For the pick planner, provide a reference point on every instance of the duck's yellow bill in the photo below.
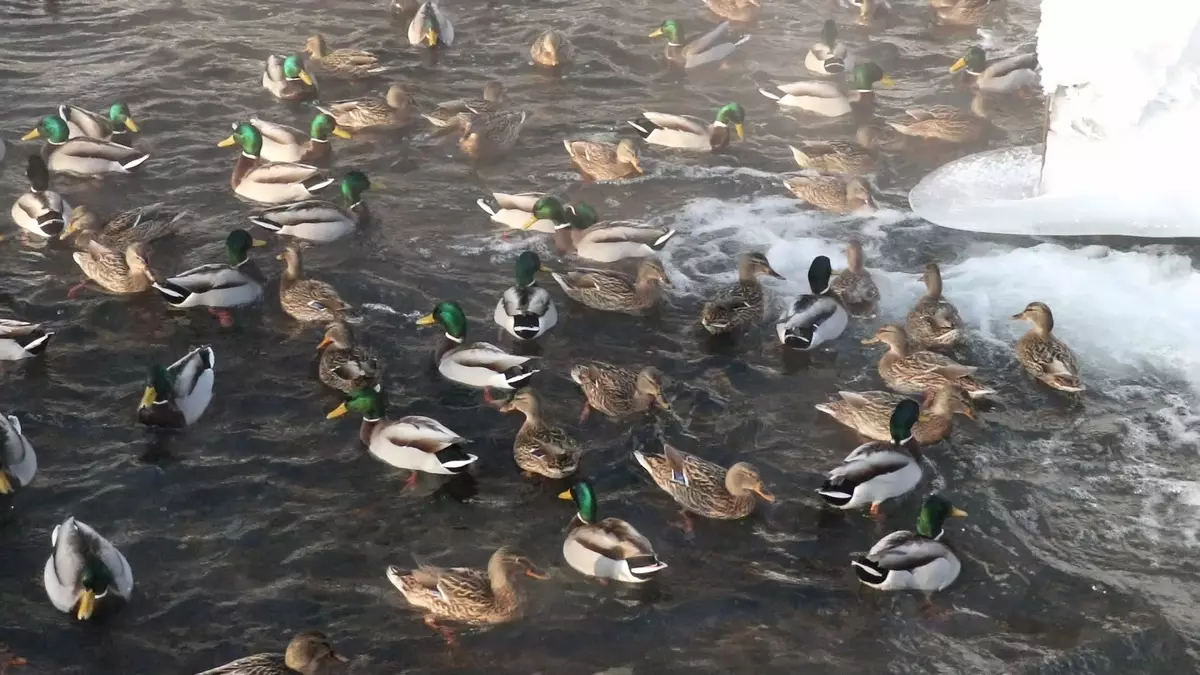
(148, 397)
(565, 494)
(431, 36)
(87, 605)
(958, 65)
(306, 78)
(958, 513)
(887, 81)
(6, 487)
(656, 33)
(32, 135)
(870, 340)
(257, 242)
(545, 269)
(324, 343)
(342, 133)
(337, 412)
(426, 320)
(230, 141)
(530, 223)
(923, 417)
(131, 125)
(741, 131)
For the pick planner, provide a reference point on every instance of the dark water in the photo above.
(265, 519)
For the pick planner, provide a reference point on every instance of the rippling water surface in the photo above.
(266, 519)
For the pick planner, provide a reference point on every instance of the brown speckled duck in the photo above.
(1043, 356)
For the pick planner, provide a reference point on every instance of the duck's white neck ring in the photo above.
(320, 140)
(371, 419)
(248, 155)
(457, 341)
(674, 44)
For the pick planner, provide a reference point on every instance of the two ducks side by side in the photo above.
(877, 471)
(869, 412)
(319, 220)
(269, 182)
(831, 99)
(82, 155)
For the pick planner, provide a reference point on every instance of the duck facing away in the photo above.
(815, 318)
(309, 653)
(1042, 355)
(525, 309)
(841, 158)
(916, 561)
(612, 291)
(915, 372)
(704, 488)
(85, 575)
(854, 285)
(41, 211)
(476, 364)
(618, 392)
(307, 299)
(878, 470)
(451, 114)
(541, 448)
(18, 461)
(739, 305)
(490, 135)
(177, 395)
(827, 56)
(606, 549)
(869, 412)
(934, 322)
(22, 340)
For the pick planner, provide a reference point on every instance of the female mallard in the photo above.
(176, 396)
(1004, 76)
(517, 211)
(218, 285)
(308, 652)
(22, 340)
(353, 62)
(868, 412)
(841, 158)
(942, 123)
(85, 575)
(854, 285)
(878, 470)
(713, 47)
(526, 310)
(307, 299)
(828, 56)
(82, 155)
(41, 211)
(576, 231)
(551, 49)
(450, 114)
(116, 272)
(318, 220)
(692, 133)
(915, 372)
(81, 122)
(815, 318)
(345, 365)
(286, 78)
(917, 561)
(395, 109)
(739, 305)
(1044, 356)
(417, 444)
(741, 11)
(605, 161)
(934, 321)
(430, 27)
(269, 182)
(476, 364)
(617, 392)
(704, 488)
(962, 12)
(143, 224)
(287, 144)
(492, 134)
(612, 291)
(830, 99)
(541, 448)
(609, 548)
(831, 193)
(18, 462)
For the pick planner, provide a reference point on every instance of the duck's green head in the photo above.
(159, 388)
(527, 266)
(672, 30)
(238, 245)
(865, 75)
(323, 125)
(52, 128)
(829, 32)
(354, 183)
(733, 114)
(581, 216)
(370, 402)
(585, 500)
(245, 135)
(547, 208)
(934, 513)
(905, 415)
(95, 577)
(450, 316)
(293, 69)
(975, 61)
(119, 116)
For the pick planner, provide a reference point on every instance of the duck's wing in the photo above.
(274, 68)
(1012, 63)
(818, 89)
(281, 173)
(614, 539)
(904, 550)
(209, 277)
(685, 123)
(258, 664)
(284, 135)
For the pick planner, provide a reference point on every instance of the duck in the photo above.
(870, 12)
(942, 123)
(143, 224)
(18, 461)
(1012, 74)
(489, 135)
(85, 575)
(576, 231)
(287, 144)
(308, 652)
(868, 412)
(828, 56)
(525, 309)
(218, 286)
(613, 291)
(877, 471)
(83, 122)
(176, 396)
(344, 364)
(417, 444)
(41, 212)
(711, 48)
(741, 11)
(692, 133)
(854, 286)
(833, 194)
(916, 561)
(704, 488)
(739, 305)
(551, 49)
(606, 549)
(318, 220)
(831, 99)
(352, 62)
(841, 158)
(915, 372)
(541, 448)
(307, 299)
(605, 161)
(451, 114)
(122, 272)
(395, 109)
(430, 27)
(1043, 356)
(517, 211)
(815, 318)
(962, 12)
(21, 340)
(82, 155)
(618, 392)
(934, 322)
(476, 364)
(270, 182)
(287, 79)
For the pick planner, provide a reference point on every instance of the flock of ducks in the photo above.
(283, 170)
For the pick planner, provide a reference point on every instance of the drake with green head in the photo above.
(476, 364)
(879, 470)
(269, 182)
(518, 211)
(916, 561)
(827, 56)
(286, 78)
(1013, 74)
(582, 236)
(830, 99)
(177, 395)
(692, 133)
(525, 309)
(82, 155)
(287, 144)
(319, 220)
(430, 27)
(81, 122)
(607, 549)
(85, 575)
(218, 286)
(711, 48)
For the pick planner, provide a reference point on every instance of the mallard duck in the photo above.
(704, 488)
(541, 448)
(692, 133)
(450, 114)
(878, 470)
(830, 99)
(143, 224)
(308, 652)
(286, 78)
(854, 285)
(1004, 76)
(841, 158)
(617, 392)
(18, 461)
(869, 11)
(740, 305)
(21, 340)
(353, 62)
(612, 291)
(827, 56)
(869, 412)
(525, 309)
(41, 211)
(815, 318)
(741, 11)
(1044, 356)
(430, 27)
(115, 271)
(915, 372)
(941, 122)
(576, 231)
(934, 322)
(962, 12)
(319, 220)
(85, 575)
(417, 444)
(287, 144)
(405, 7)
(476, 364)
(605, 161)
(307, 299)
(344, 364)
(609, 548)
(713, 47)
(270, 182)
(517, 211)
(176, 396)
(81, 122)
(491, 134)
(82, 155)
(395, 109)
(832, 193)
(551, 49)
(917, 561)
(218, 285)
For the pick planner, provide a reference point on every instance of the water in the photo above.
(266, 519)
